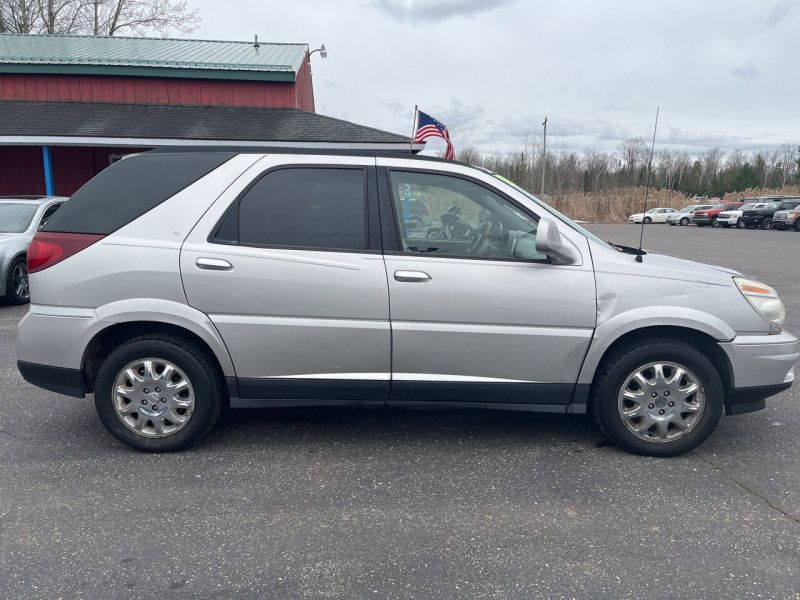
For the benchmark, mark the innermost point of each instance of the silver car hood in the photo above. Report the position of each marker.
(687, 268)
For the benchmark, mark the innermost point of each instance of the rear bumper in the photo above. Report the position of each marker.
(762, 366)
(55, 379)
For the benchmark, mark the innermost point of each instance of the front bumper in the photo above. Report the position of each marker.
(752, 220)
(762, 366)
(702, 220)
(783, 221)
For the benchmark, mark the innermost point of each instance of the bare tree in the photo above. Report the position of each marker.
(62, 16)
(788, 160)
(98, 17)
(137, 17)
(712, 160)
(633, 152)
(19, 16)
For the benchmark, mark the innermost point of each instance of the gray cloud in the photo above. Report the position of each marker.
(415, 11)
(780, 11)
(748, 71)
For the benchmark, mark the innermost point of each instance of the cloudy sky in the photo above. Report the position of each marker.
(724, 72)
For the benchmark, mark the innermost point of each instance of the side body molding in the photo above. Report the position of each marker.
(611, 330)
(174, 313)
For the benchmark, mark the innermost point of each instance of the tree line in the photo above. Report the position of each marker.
(97, 17)
(713, 173)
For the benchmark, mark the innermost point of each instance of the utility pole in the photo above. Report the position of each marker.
(544, 153)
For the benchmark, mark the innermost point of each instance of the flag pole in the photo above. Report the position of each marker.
(414, 129)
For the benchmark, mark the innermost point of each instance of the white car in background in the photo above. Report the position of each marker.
(654, 215)
(731, 218)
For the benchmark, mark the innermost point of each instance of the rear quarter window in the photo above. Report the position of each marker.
(129, 188)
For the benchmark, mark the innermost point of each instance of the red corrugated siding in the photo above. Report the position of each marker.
(144, 90)
(22, 168)
(304, 88)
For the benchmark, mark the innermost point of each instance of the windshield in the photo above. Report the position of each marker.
(563, 217)
(746, 206)
(652, 210)
(16, 217)
(718, 206)
(688, 208)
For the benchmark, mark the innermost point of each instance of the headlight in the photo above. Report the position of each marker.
(763, 298)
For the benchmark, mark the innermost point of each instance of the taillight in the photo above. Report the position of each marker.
(48, 249)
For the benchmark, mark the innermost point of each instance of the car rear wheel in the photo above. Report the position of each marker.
(158, 393)
(660, 397)
(17, 286)
(766, 224)
(647, 220)
(685, 221)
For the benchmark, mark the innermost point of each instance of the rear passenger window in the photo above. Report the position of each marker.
(307, 208)
(129, 188)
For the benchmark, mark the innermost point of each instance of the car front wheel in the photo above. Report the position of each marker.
(741, 224)
(659, 398)
(684, 221)
(158, 393)
(647, 220)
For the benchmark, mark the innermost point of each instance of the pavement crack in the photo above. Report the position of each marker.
(747, 488)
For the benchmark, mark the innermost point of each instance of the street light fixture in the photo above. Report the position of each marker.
(323, 52)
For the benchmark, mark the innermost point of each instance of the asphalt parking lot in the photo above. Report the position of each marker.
(347, 503)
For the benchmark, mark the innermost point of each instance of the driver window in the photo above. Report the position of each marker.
(449, 216)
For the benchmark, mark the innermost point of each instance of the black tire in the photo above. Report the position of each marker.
(766, 224)
(726, 225)
(647, 220)
(684, 221)
(616, 368)
(13, 295)
(714, 222)
(195, 362)
(778, 227)
(741, 224)
(797, 225)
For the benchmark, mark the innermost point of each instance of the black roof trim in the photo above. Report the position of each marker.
(310, 151)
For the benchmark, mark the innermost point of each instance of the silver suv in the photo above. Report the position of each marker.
(177, 282)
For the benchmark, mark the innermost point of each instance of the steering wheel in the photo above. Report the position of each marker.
(482, 235)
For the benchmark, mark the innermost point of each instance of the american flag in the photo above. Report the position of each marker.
(428, 127)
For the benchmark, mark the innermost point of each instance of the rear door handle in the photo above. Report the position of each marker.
(411, 276)
(213, 264)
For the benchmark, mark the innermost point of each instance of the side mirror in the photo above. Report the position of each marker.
(550, 242)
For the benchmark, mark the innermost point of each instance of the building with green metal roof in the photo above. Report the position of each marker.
(71, 105)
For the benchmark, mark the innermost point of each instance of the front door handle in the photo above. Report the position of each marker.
(213, 264)
(411, 276)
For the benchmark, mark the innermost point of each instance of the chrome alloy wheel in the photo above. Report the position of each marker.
(19, 279)
(153, 398)
(661, 402)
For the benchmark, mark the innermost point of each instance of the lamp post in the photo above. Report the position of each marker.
(323, 52)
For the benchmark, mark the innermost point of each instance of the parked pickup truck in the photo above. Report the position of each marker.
(763, 217)
(787, 219)
(701, 218)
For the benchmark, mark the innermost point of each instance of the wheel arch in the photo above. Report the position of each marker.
(700, 330)
(124, 320)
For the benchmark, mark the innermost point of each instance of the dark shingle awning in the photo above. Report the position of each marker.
(145, 125)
